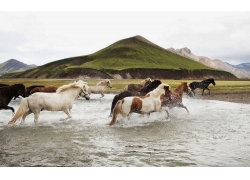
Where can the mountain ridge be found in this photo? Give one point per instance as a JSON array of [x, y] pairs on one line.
[[126, 58]]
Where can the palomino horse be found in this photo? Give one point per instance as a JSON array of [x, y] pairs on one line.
[[61, 100], [202, 85], [174, 99], [49, 89], [8, 92], [100, 87], [142, 92], [141, 104], [137, 87]]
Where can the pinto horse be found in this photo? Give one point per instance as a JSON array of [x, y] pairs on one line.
[[174, 99], [137, 87], [141, 104], [100, 87], [61, 100], [143, 91], [8, 92], [49, 89], [202, 85]]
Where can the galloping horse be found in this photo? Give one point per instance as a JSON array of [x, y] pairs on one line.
[[174, 99], [137, 87], [100, 87], [61, 100], [142, 92], [49, 89], [202, 85], [8, 92], [143, 104]]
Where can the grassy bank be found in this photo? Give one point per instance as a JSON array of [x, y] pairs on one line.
[[118, 85]]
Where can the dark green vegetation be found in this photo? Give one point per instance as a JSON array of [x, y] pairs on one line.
[[134, 58]]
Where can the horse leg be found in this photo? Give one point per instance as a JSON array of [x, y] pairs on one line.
[[24, 116], [11, 108], [208, 90], [67, 111], [36, 116], [182, 106], [102, 94]]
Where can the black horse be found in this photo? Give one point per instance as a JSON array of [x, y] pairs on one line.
[[30, 88], [202, 85], [8, 92], [142, 92]]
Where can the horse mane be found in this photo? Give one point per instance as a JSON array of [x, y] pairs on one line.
[[66, 87], [147, 80], [158, 90], [103, 83], [151, 86]]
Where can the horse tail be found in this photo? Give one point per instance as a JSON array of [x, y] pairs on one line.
[[21, 110], [116, 111]]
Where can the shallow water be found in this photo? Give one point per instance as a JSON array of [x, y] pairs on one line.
[[214, 133]]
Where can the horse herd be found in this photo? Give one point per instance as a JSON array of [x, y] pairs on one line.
[[144, 98]]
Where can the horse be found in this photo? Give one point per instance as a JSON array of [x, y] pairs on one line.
[[142, 92], [141, 104], [100, 87], [30, 88], [2, 85], [136, 87], [49, 89], [61, 100], [8, 92], [202, 85], [174, 99]]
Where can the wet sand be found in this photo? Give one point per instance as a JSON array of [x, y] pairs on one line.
[[237, 97]]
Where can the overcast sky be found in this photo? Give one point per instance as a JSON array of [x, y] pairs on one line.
[[39, 37]]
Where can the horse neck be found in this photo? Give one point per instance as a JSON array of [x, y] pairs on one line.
[[178, 90], [11, 91], [73, 93]]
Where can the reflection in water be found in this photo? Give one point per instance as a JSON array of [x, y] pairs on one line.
[[215, 133]]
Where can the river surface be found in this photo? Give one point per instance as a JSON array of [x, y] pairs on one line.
[[214, 133]]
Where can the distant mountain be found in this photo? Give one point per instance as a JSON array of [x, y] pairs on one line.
[[13, 65], [243, 66], [240, 71], [134, 57]]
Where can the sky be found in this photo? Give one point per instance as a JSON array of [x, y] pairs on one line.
[[39, 35]]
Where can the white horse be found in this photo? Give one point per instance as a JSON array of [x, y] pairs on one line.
[[100, 87], [61, 100], [151, 102]]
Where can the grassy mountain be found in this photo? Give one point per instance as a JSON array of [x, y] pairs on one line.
[[127, 55], [14, 65]]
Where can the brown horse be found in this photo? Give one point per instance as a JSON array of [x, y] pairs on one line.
[[8, 92], [30, 88], [174, 99], [49, 89], [137, 87]]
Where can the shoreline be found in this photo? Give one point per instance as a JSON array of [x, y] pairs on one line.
[[236, 97]]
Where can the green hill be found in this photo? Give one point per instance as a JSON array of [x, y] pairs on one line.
[[128, 56]]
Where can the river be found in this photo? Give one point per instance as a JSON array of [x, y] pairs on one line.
[[213, 134]]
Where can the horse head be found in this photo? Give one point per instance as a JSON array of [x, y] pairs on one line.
[[187, 89], [85, 92], [21, 90]]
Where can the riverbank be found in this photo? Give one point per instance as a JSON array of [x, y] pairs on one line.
[[236, 97]]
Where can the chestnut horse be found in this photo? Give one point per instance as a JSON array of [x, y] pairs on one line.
[[141, 104], [49, 89], [174, 99]]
